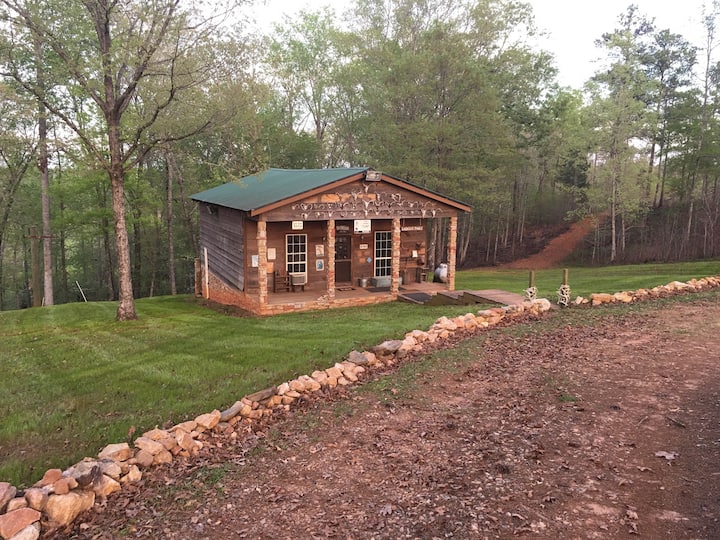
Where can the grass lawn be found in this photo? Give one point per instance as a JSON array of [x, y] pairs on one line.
[[587, 280], [75, 380]]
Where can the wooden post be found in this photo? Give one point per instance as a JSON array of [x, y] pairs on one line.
[[206, 275], [452, 253], [262, 261], [565, 276], [395, 263], [532, 279], [330, 252], [198, 278]]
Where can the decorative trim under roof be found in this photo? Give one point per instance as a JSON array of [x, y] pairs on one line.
[[273, 188]]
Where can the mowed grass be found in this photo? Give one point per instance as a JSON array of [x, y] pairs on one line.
[[75, 380], [587, 280]]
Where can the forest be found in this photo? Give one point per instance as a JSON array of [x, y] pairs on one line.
[[114, 112]]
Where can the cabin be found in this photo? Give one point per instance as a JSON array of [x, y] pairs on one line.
[[306, 239]]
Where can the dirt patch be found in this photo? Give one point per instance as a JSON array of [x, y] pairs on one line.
[[573, 427], [559, 248]]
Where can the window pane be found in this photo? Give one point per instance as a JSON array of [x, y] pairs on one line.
[[296, 253], [383, 253]]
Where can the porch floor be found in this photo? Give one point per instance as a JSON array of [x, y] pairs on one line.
[[347, 290]]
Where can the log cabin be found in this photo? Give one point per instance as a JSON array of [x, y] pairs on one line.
[[305, 239]]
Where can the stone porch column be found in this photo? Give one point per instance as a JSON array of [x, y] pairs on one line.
[[262, 261], [330, 252], [395, 281], [452, 252]]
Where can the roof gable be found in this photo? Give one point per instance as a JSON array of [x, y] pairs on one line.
[[275, 187]]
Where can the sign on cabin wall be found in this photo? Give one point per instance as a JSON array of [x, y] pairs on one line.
[[362, 201], [362, 226]]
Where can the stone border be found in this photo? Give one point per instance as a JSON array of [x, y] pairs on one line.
[[60, 496]]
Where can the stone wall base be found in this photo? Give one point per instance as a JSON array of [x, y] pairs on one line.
[[222, 293]]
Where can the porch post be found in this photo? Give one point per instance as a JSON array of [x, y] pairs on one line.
[[395, 281], [452, 252], [262, 260], [330, 250]]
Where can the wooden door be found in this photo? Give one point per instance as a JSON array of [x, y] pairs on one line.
[[343, 251]]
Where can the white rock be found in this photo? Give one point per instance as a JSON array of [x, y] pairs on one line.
[[7, 493], [104, 486], [31, 532], [150, 446], [209, 420], [118, 452], [133, 476], [63, 509]]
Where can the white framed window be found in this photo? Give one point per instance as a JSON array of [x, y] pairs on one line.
[[383, 253], [296, 253]]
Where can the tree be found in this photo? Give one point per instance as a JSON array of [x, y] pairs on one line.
[[620, 96], [43, 168], [669, 63], [108, 51], [18, 145], [303, 57]]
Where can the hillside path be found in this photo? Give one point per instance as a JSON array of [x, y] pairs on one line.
[[558, 248]]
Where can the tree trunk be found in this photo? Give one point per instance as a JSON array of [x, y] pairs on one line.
[[138, 261], [169, 219], [613, 219], [63, 261], [48, 293], [188, 217], [126, 300], [688, 232], [42, 164]]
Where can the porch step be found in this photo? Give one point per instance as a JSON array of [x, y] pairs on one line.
[[447, 298], [463, 298], [415, 297], [496, 296]]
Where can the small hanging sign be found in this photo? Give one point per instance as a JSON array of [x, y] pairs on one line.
[[297, 225]]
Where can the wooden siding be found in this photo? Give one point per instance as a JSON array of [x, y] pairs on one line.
[[222, 233], [252, 283], [316, 235]]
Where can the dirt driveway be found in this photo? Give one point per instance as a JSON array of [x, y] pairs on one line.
[[588, 424]]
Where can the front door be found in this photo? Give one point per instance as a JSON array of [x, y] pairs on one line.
[[343, 268]]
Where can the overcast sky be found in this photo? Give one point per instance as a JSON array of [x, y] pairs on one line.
[[572, 25]]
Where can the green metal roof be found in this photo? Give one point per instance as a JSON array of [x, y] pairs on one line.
[[271, 186]]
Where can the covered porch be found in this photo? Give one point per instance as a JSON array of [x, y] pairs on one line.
[[352, 293]]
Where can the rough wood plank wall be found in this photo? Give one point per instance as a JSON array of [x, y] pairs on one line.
[[222, 232]]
